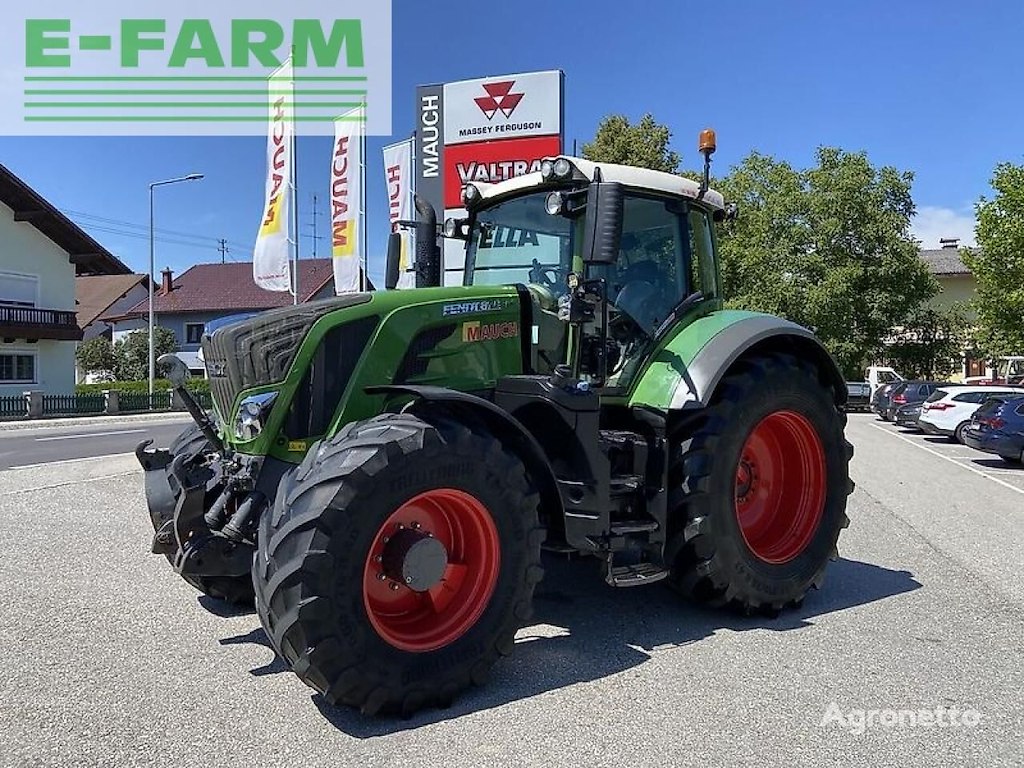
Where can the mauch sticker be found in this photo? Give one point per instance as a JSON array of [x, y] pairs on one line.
[[474, 307], [477, 331]]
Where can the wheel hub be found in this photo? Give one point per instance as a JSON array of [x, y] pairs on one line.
[[780, 487], [415, 559], [431, 570], [745, 478]]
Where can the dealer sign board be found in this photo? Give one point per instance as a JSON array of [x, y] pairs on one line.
[[504, 107], [484, 130]]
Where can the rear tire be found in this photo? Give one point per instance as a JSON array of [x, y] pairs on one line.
[[236, 590], [759, 489], [958, 433], [376, 643]]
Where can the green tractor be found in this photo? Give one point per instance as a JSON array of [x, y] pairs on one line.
[[383, 470]]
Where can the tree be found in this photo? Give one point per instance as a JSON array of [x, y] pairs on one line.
[[828, 247], [998, 265], [96, 355], [644, 144], [132, 353], [929, 344]]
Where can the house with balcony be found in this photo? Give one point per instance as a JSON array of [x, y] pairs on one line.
[[207, 292], [41, 253]]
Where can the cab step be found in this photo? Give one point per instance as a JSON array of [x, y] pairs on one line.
[[634, 575], [626, 527]]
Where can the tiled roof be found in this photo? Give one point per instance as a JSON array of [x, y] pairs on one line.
[[95, 294], [945, 261], [230, 288], [88, 256]]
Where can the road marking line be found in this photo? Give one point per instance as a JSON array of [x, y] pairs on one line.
[[65, 484], [70, 461], [951, 460], [90, 434]]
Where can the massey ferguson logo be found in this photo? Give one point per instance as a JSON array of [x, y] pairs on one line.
[[499, 98]]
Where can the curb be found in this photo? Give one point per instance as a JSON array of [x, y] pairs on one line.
[[81, 421]]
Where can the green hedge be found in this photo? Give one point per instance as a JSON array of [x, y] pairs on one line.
[[160, 385]]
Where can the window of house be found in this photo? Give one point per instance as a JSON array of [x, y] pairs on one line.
[[194, 332], [18, 290], [17, 368]]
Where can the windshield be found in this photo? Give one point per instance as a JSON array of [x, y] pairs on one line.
[[517, 241]]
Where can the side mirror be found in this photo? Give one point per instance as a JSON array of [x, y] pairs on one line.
[[602, 235], [730, 213], [177, 371], [394, 261]]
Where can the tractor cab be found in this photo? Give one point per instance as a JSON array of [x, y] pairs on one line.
[[612, 257]]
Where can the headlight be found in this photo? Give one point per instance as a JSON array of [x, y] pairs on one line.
[[470, 195], [554, 204], [252, 415], [562, 168]]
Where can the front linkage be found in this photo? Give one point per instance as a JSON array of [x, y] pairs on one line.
[[204, 505]]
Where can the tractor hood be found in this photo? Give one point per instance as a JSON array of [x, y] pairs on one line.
[[260, 350], [297, 371]]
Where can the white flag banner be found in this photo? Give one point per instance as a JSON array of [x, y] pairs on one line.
[[346, 196], [270, 258], [399, 174]]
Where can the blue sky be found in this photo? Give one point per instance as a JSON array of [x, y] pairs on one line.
[[932, 87]]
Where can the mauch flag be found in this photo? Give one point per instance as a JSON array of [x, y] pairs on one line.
[[346, 195], [270, 257], [399, 175]]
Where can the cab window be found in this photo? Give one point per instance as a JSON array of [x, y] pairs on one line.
[[653, 272]]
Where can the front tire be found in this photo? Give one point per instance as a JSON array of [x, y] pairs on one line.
[[398, 562], [759, 489]]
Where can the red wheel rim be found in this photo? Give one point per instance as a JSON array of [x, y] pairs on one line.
[[780, 487], [426, 620]]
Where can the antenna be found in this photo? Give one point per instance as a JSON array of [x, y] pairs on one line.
[[315, 237]]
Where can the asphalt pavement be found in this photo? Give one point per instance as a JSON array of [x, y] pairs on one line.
[[110, 659], [43, 443]]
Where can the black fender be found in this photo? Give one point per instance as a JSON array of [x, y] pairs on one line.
[[513, 435]]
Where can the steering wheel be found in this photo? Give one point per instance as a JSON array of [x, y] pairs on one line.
[[547, 276]]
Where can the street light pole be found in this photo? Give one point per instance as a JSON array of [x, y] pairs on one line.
[[152, 270]]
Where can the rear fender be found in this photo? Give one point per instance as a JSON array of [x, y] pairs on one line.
[[687, 368]]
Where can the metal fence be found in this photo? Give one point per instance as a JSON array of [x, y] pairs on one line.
[[36, 405], [13, 407], [135, 402], [73, 405]]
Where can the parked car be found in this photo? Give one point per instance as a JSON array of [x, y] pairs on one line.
[[906, 392], [998, 427], [949, 410], [907, 415], [880, 400], [858, 396]]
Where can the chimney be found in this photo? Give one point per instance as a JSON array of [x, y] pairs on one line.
[[949, 242], [167, 282]]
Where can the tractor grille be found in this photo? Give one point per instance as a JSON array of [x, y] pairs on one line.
[[260, 351]]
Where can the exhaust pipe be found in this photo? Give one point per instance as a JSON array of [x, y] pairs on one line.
[[428, 253]]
